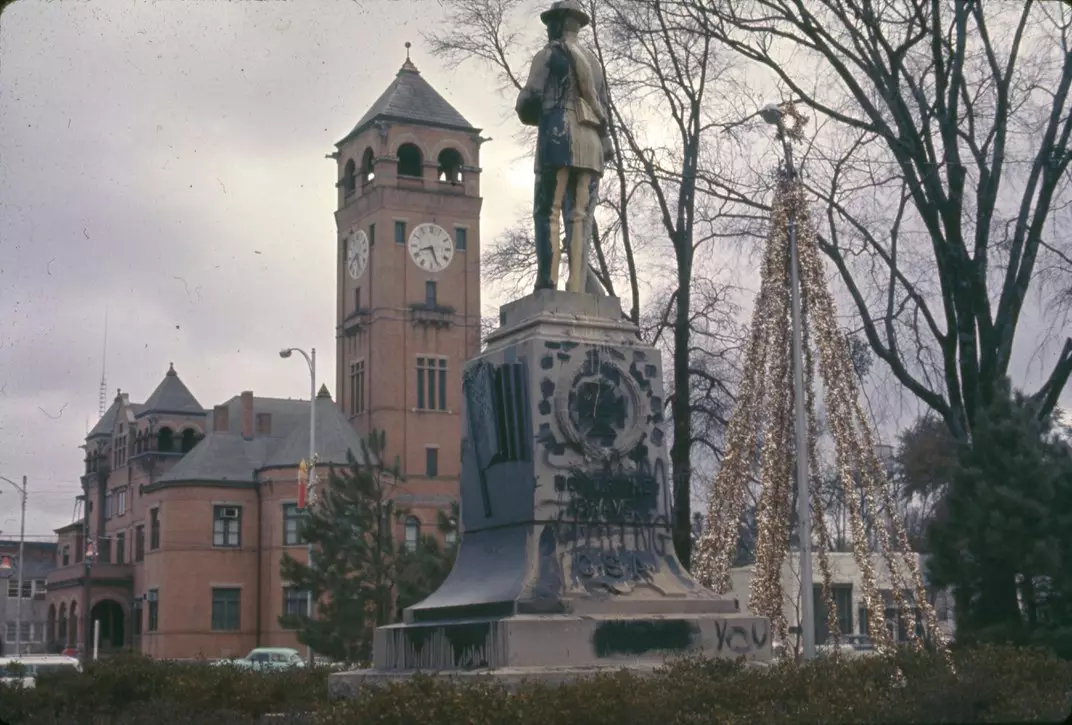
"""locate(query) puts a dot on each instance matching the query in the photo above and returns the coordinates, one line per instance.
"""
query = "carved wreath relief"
(600, 440)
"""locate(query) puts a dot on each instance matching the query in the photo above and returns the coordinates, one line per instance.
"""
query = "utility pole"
(311, 484)
(776, 116)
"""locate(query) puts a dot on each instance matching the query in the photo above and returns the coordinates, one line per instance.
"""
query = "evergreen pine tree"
(351, 526)
(999, 529)
(423, 570)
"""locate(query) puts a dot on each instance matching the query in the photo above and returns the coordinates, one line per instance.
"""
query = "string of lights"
(760, 435)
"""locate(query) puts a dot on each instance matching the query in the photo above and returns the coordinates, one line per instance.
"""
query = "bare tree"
(941, 150)
(655, 70)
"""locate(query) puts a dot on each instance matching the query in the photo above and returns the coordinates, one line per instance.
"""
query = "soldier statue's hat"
(566, 7)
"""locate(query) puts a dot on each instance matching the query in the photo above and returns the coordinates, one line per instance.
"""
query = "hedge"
(991, 684)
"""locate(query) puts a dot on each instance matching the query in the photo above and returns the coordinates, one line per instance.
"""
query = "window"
(225, 606)
(430, 293)
(357, 387)
(226, 523)
(108, 504)
(842, 594)
(139, 542)
(291, 521)
(400, 232)
(154, 610)
(79, 548)
(122, 502)
(154, 529)
(450, 166)
(349, 178)
(39, 589)
(413, 533)
(13, 631)
(461, 238)
(121, 547)
(432, 383)
(13, 589)
(450, 536)
(410, 160)
(431, 462)
(295, 601)
(104, 550)
(371, 234)
(357, 299)
(66, 555)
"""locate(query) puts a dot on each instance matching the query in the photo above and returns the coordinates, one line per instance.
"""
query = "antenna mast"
(102, 395)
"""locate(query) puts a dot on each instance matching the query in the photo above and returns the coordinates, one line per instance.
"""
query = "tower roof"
(411, 99)
(171, 396)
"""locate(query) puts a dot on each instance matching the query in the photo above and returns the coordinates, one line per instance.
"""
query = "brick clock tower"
(408, 281)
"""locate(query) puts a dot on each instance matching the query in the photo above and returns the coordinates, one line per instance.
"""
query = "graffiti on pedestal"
(600, 431)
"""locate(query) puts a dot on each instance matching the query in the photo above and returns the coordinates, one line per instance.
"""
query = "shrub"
(990, 684)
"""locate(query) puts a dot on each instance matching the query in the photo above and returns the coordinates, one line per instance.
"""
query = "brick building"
(190, 509)
(39, 558)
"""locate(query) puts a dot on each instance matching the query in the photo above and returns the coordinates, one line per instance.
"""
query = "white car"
(851, 645)
(23, 671)
(267, 658)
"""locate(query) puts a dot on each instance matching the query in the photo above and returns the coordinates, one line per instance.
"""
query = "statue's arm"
(530, 99)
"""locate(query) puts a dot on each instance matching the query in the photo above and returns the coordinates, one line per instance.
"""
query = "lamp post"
(22, 547)
(311, 360)
(775, 116)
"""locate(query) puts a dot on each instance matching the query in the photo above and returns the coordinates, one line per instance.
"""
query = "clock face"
(431, 247)
(357, 251)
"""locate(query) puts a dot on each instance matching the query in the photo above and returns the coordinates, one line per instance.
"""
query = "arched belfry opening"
(410, 161)
(349, 178)
(368, 166)
(450, 166)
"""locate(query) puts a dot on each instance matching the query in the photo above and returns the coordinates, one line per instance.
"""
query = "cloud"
(165, 162)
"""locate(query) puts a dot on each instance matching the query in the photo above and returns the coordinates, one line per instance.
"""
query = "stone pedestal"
(566, 559)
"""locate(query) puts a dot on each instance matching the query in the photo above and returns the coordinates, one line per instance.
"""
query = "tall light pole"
(311, 360)
(775, 115)
(22, 549)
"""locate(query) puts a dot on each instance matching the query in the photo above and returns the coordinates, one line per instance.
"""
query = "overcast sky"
(164, 162)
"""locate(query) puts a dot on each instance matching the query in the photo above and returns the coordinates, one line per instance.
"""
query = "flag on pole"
(303, 483)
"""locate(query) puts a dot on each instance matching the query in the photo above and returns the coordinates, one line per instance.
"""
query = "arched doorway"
(72, 626)
(50, 628)
(110, 615)
(61, 634)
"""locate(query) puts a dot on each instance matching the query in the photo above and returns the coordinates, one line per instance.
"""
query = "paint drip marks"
(469, 646)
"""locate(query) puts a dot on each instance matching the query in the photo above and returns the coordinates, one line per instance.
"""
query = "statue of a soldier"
(566, 99)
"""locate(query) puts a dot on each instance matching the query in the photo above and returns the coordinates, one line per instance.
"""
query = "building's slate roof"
(334, 437)
(220, 457)
(106, 424)
(225, 456)
(411, 99)
(171, 396)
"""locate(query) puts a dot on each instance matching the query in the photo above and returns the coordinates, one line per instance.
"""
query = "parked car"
(267, 658)
(851, 645)
(25, 669)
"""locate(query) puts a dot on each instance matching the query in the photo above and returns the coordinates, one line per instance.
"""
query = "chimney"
(220, 420)
(247, 414)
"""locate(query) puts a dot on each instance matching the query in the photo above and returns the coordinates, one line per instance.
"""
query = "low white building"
(847, 584)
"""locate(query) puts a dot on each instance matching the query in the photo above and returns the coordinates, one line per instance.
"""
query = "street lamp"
(776, 116)
(310, 359)
(22, 546)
